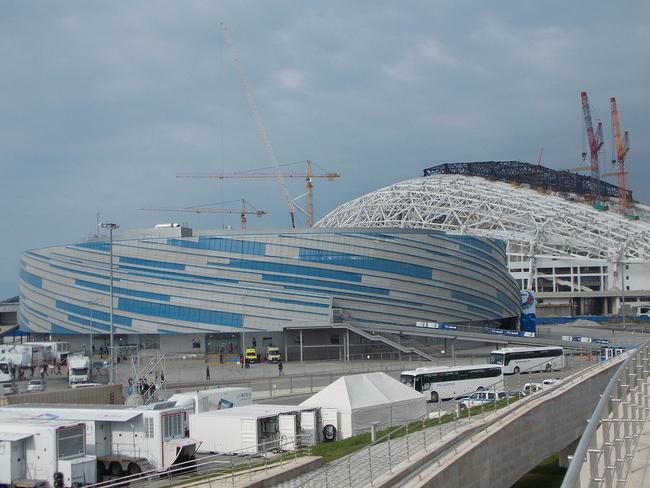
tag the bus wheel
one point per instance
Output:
(115, 469)
(434, 396)
(516, 370)
(548, 368)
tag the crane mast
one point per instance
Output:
(252, 105)
(595, 141)
(622, 148)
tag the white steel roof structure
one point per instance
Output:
(540, 223)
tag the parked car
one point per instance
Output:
(481, 398)
(530, 388)
(550, 381)
(36, 385)
(9, 388)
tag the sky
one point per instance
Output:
(103, 103)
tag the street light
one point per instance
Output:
(111, 227)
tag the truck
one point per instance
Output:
(23, 355)
(32, 451)
(78, 369)
(251, 355)
(273, 354)
(125, 440)
(212, 399)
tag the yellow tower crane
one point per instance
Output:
(308, 175)
(243, 211)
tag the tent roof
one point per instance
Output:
(362, 390)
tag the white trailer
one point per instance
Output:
(53, 350)
(212, 399)
(34, 450)
(251, 429)
(126, 440)
(19, 355)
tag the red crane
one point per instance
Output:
(622, 145)
(595, 141)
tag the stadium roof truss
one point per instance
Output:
(541, 222)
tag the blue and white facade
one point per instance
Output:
(265, 281)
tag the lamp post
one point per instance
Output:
(90, 329)
(111, 227)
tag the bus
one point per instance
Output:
(445, 382)
(515, 360)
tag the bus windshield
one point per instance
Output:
(496, 358)
(407, 379)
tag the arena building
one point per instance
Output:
(179, 290)
(581, 258)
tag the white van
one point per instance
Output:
(643, 312)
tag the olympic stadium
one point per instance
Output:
(179, 290)
(580, 259)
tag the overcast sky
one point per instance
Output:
(102, 103)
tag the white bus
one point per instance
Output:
(444, 382)
(516, 360)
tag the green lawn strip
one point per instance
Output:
(548, 474)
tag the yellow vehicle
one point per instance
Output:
(251, 355)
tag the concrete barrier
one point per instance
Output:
(91, 395)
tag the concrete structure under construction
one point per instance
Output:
(183, 291)
(581, 259)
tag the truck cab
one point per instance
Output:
(273, 354)
(78, 369)
(251, 355)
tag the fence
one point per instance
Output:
(98, 395)
(605, 451)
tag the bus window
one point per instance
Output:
(496, 358)
(418, 384)
(407, 379)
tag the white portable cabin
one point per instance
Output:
(153, 432)
(212, 399)
(36, 449)
(365, 398)
(249, 429)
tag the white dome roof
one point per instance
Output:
(553, 225)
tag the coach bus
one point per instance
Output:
(515, 360)
(445, 382)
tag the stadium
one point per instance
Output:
(581, 258)
(179, 290)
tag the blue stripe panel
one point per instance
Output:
(300, 302)
(31, 279)
(222, 244)
(99, 246)
(474, 242)
(325, 284)
(472, 299)
(169, 274)
(365, 262)
(292, 269)
(96, 314)
(123, 291)
(58, 329)
(95, 325)
(190, 314)
(149, 262)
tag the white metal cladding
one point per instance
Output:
(266, 281)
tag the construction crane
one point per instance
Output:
(243, 212)
(622, 147)
(264, 135)
(595, 141)
(308, 175)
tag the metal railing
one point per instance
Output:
(444, 429)
(603, 455)
(220, 470)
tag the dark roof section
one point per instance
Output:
(528, 174)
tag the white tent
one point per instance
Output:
(371, 397)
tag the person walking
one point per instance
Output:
(58, 369)
(31, 369)
(280, 368)
(207, 373)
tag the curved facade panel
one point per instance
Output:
(263, 281)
